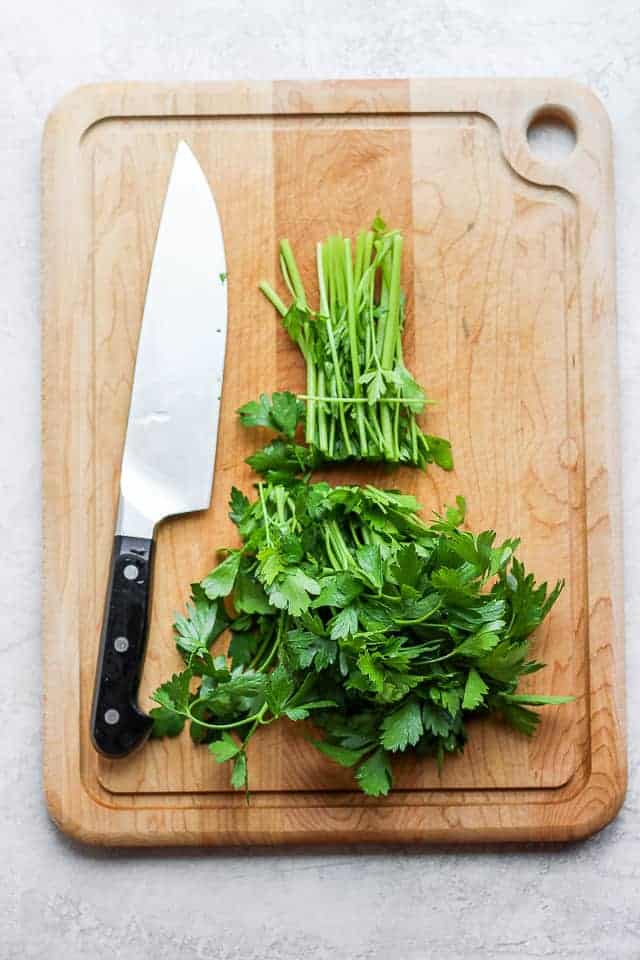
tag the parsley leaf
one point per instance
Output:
(307, 649)
(286, 412)
(369, 559)
(280, 460)
(403, 727)
(338, 590)
(440, 451)
(242, 648)
(437, 721)
(474, 690)
(343, 755)
(533, 699)
(204, 622)
(238, 506)
(407, 567)
(224, 749)
(166, 723)
(374, 775)
(521, 719)
(257, 413)
(344, 623)
(249, 595)
(281, 412)
(239, 773)
(174, 694)
(219, 583)
(280, 687)
(293, 592)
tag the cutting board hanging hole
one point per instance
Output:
(552, 134)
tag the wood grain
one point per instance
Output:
(509, 275)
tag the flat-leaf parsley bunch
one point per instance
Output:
(345, 607)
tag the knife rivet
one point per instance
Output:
(111, 717)
(121, 644)
(131, 571)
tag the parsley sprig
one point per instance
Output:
(344, 606)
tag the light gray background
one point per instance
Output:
(60, 901)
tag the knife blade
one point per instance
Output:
(170, 444)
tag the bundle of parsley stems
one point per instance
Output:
(342, 604)
(361, 401)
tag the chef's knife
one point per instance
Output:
(170, 445)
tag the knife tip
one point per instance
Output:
(185, 157)
(183, 147)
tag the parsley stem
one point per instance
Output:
(259, 652)
(280, 498)
(391, 325)
(310, 424)
(384, 303)
(366, 259)
(336, 365)
(276, 645)
(396, 434)
(353, 342)
(333, 561)
(273, 297)
(359, 264)
(332, 437)
(264, 513)
(342, 559)
(354, 533)
(323, 441)
(414, 439)
(372, 427)
(292, 274)
(391, 330)
(447, 656)
(256, 723)
(337, 269)
(220, 726)
(322, 285)
(401, 401)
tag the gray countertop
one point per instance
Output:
(61, 901)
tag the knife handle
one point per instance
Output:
(118, 725)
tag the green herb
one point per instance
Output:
(361, 401)
(350, 610)
(281, 412)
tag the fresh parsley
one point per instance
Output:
(345, 607)
(361, 401)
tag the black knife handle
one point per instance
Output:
(118, 725)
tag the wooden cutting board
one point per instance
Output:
(510, 280)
